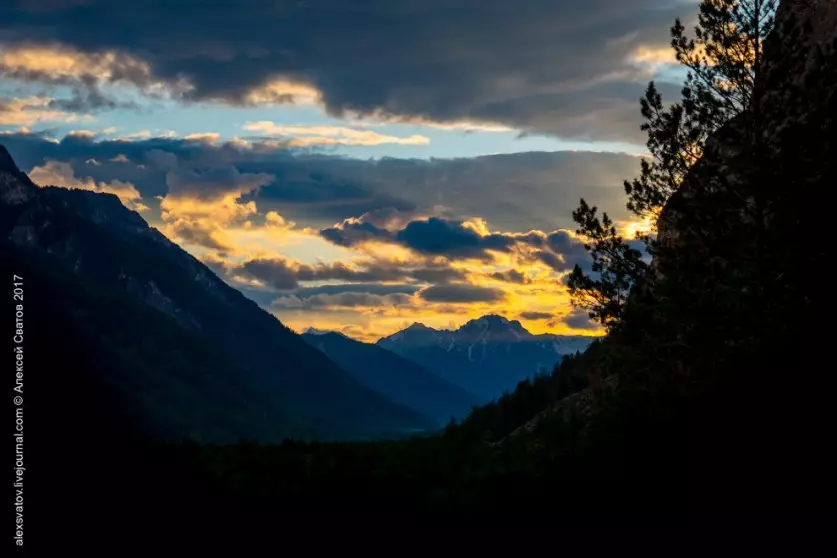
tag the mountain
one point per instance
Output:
(486, 356)
(179, 352)
(315, 331)
(397, 378)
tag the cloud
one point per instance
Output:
(142, 134)
(283, 273)
(85, 71)
(652, 57)
(352, 232)
(344, 300)
(432, 236)
(461, 294)
(441, 237)
(86, 97)
(279, 91)
(206, 137)
(310, 136)
(535, 316)
(201, 205)
(453, 125)
(253, 213)
(511, 276)
(551, 66)
(579, 319)
(319, 190)
(375, 288)
(466, 240)
(55, 173)
(32, 110)
(214, 182)
(203, 223)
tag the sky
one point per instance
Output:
(349, 165)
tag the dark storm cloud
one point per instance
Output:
(437, 274)
(373, 288)
(343, 300)
(90, 99)
(277, 273)
(285, 274)
(318, 191)
(535, 316)
(267, 297)
(352, 234)
(433, 236)
(297, 297)
(281, 273)
(579, 319)
(461, 293)
(554, 66)
(213, 182)
(346, 295)
(570, 249)
(512, 276)
(440, 237)
(455, 240)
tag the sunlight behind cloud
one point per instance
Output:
(307, 136)
(284, 91)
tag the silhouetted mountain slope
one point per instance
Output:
(399, 379)
(486, 356)
(189, 355)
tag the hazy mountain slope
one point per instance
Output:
(486, 356)
(399, 379)
(92, 240)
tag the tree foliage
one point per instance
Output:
(723, 60)
(616, 267)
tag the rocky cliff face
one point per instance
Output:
(15, 186)
(797, 98)
(747, 242)
(820, 15)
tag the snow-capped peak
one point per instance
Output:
(315, 331)
(494, 326)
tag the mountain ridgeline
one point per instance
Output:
(398, 378)
(179, 354)
(487, 356)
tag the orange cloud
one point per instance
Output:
(280, 91)
(204, 222)
(204, 137)
(57, 63)
(380, 119)
(54, 173)
(308, 136)
(652, 57)
(33, 110)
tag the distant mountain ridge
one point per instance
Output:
(399, 379)
(185, 354)
(487, 355)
